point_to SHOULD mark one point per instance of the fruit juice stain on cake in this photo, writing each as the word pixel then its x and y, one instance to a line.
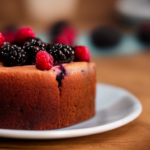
pixel 60 76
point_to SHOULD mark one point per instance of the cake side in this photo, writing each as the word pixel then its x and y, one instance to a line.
pixel 29 99
pixel 77 93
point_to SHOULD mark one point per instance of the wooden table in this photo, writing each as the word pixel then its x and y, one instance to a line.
pixel 131 73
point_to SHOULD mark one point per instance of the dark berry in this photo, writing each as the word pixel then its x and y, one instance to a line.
pixel 44 61
pixel 57 28
pixel 82 53
pixel 61 53
pixel 6 43
pixel 12 55
pixel 35 50
pixel 105 36
pixel 32 40
pixel 61 75
pixel 32 46
pixel 143 33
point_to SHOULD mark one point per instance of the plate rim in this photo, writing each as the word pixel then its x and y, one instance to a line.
pixel 60 134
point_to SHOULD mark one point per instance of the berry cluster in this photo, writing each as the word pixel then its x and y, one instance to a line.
pixel 61 53
pixel 32 46
pixel 26 49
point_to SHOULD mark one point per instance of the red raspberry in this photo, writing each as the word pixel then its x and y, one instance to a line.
pixel 70 34
pixel 1 39
pixel 82 53
pixel 62 39
pixel 9 36
pixel 44 61
pixel 24 33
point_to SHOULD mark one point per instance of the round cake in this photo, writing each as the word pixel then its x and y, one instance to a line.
pixel 33 99
pixel 44 86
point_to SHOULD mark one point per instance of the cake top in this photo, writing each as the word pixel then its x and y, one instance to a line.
pixel 27 49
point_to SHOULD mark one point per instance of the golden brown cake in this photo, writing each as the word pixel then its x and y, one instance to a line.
pixel 34 100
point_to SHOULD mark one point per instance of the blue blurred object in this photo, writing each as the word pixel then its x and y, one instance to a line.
pixel 128 45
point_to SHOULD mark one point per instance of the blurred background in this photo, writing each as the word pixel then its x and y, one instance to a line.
pixel 117 33
pixel 108 28
pixel 38 14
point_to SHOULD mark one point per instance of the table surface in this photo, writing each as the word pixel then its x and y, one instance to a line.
pixel 131 73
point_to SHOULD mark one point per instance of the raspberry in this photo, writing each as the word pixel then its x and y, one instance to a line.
pixel 62 39
pixel 1 39
pixel 24 33
pixel 70 34
pixel 44 61
pixel 9 36
pixel 82 53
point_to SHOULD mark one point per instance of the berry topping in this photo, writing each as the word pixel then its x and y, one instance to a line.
pixel 24 33
pixel 105 36
pixel 144 33
pixel 1 39
pixel 44 61
pixel 82 53
pixel 61 53
pixel 32 46
pixel 12 55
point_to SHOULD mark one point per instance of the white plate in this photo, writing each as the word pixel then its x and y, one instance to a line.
pixel 134 10
pixel 115 107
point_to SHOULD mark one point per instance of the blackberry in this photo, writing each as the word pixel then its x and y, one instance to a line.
pixel 35 50
pixel 61 53
pixel 33 41
pixel 57 28
pixel 105 36
pixel 32 46
pixel 6 43
pixel 12 55
pixel 143 33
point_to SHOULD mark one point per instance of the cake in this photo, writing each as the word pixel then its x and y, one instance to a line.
pixel 37 99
